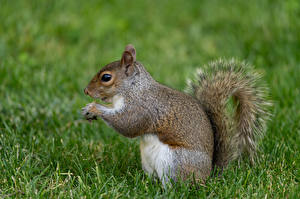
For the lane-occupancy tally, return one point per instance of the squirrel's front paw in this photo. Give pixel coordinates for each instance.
(90, 111)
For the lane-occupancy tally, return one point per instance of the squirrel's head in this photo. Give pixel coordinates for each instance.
(109, 79)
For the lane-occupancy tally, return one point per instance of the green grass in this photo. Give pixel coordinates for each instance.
(49, 50)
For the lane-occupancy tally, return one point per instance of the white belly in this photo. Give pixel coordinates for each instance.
(156, 156)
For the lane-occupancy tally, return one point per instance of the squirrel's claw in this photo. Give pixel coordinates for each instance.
(87, 113)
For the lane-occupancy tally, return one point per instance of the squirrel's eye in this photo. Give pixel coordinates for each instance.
(106, 77)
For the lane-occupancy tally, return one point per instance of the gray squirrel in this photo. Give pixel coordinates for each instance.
(182, 135)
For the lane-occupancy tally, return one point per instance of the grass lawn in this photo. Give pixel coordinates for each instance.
(49, 50)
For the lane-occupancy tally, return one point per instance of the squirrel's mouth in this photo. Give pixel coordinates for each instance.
(106, 99)
(103, 100)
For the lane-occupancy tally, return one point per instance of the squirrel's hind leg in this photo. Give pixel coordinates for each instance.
(192, 165)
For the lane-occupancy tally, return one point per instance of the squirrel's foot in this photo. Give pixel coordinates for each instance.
(90, 111)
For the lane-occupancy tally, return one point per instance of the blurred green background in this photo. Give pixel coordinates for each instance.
(49, 50)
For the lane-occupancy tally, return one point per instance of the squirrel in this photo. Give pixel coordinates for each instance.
(182, 134)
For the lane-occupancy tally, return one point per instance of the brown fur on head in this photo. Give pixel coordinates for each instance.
(105, 83)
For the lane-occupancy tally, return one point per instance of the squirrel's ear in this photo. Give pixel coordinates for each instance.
(129, 55)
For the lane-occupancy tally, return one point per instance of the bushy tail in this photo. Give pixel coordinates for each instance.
(234, 134)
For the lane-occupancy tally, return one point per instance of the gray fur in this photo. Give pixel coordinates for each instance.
(195, 128)
(214, 85)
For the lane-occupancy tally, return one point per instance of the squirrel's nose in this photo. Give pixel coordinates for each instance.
(86, 91)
